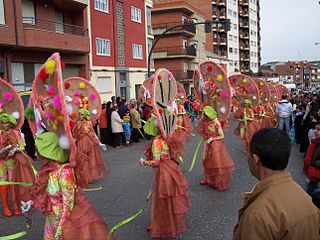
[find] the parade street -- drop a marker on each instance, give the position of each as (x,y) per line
(213,214)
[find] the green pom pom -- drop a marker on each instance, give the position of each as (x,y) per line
(30,113)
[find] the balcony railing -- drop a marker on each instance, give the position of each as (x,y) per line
(36,23)
(177,51)
(182,75)
(185,26)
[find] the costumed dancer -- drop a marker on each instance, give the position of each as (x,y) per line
(246,97)
(15,164)
(84,107)
(170,201)
(217,163)
(213,89)
(184,127)
(55,193)
(261,109)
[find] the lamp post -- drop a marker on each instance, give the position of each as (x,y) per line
(207,23)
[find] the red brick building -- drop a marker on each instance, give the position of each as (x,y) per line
(30,31)
(119,30)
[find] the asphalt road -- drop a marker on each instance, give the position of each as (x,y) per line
(212,216)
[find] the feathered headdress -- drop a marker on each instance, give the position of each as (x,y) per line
(264,90)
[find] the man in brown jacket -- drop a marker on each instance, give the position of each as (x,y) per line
(135,120)
(277,208)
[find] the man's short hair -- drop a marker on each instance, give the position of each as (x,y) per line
(273,147)
(284,96)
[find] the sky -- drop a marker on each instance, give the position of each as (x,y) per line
(289,30)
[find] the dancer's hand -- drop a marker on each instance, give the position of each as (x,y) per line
(26,206)
(103,146)
(141,162)
(209,140)
(12,152)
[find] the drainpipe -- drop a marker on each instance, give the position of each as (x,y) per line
(15,22)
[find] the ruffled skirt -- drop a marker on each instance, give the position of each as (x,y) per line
(217,165)
(89,161)
(170,201)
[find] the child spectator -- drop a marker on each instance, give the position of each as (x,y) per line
(126,127)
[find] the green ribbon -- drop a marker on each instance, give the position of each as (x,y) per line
(143,121)
(182,164)
(92,189)
(141,133)
(195,155)
(14,236)
(25,184)
(124,222)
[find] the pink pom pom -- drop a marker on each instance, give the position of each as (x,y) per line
(92,96)
(223,94)
(251,88)
(50,90)
(170,75)
(56,102)
(8,96)
(77,101)
(1,104)
(76,94)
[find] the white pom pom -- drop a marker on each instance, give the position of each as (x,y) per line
(266,99)
(16,115)
(69,109)
(94,111)
(64,142)
(69,99)
(254,97)
(223,110)
(156,123)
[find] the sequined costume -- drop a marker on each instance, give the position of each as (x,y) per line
(170,200)
(90,163)
(216,162)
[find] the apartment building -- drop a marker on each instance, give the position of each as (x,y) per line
(30,31)
(241,45)
(182,49)
(121,34)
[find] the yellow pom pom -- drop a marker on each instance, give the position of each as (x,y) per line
(220,78)
(245,80)
(50,66)
(86,99)
(218,90)
(261,84)
(82,85)
(210,79)
(55,127)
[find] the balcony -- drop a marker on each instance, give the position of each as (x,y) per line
(222,3)
(187,28)
(244,24)
(175,52)
(214,2)
(39,33)
(244,2)
(183,76)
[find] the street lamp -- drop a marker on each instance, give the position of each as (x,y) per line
(208,28)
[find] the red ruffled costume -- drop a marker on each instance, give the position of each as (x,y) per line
(217,163)
(180,135)
(84,222)
(170,200)
(89,160)
(21,166)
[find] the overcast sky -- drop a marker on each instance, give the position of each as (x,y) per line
(289,30)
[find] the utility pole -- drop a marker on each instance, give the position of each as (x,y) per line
(208,28)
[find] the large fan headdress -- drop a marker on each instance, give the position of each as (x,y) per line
(48,101)
(264,90)
(11,102)
(244,87)
(273,93)
(159,91)
(79,93)
(212,87)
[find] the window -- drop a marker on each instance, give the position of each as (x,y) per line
(102,47)
(136,14)
(185,67)
(234,14)
(229,12)
(149,26)
(231,50)
(101,5)
(104,84)
(137,51)
(28,15)
(235,50)
(2,18)
(59,22)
